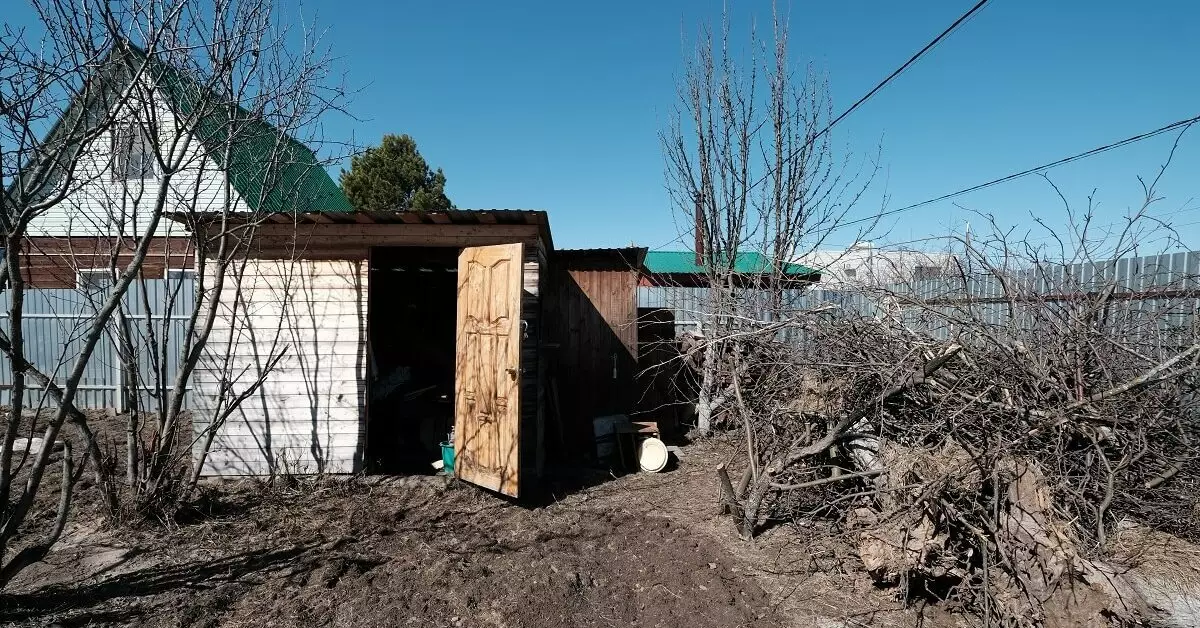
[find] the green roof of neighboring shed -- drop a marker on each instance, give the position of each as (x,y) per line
(684,263)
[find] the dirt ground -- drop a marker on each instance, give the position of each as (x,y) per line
(640,550)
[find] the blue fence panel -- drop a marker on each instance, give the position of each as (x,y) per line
(56,323)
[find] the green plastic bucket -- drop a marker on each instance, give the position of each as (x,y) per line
(448,457)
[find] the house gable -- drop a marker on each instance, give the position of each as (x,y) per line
(232,161)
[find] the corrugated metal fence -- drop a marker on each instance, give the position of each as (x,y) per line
(690,306)
(56,324)
(1156,297)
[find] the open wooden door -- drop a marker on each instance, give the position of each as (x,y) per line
(487,376)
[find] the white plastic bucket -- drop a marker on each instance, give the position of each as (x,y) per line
(652,455)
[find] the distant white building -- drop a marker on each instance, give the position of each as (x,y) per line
(866,265)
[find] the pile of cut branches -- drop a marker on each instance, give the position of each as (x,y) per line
(969,455)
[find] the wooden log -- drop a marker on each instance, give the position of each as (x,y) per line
(728,501)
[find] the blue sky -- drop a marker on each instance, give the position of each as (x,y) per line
(557,105)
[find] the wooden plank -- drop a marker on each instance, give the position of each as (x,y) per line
(261,331)
(286,280)
(250,425)
(299,305)
(323,232)
(293,402)
(315,367)
(317,243)
(225,462)
(293,383)
(488,366)
(596,332)
(532,445)
(283,247)
(307,268)
(314,399)
(264,336)
(302,441)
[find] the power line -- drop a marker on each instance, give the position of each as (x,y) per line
(1042,168)
(911,60)
(900,70)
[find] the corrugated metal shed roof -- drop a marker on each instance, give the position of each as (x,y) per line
(684,263)
(481,217)
(449,217)
(625,258)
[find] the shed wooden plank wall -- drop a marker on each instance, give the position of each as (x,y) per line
(308,415)
(613,293)
(532,403)
(54,262)
(311,411)
(594,316)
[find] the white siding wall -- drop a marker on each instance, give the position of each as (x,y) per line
(101,206)
(309,416)
(864,264)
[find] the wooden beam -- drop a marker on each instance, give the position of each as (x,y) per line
(374,240)
(356,247)
(410,217)
(400,230)
(439,218)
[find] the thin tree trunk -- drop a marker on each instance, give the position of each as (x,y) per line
(37,470)
(705,404)
(129,366)
(17,392)
(34,553)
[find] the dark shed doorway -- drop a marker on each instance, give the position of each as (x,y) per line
(411,309)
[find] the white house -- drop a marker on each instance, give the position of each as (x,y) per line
(144,114)
(354,340)
(864,264)
(151,141)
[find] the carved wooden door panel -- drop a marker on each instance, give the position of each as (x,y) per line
(487,379)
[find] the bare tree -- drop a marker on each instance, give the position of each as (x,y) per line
(986,435)
(752,169)
(160,106)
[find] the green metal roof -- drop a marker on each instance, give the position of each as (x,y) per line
(270,170)
(684,262)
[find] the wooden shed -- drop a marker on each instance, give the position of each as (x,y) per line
(592,348)
(400,327)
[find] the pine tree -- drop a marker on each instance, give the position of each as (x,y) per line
(394,175)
